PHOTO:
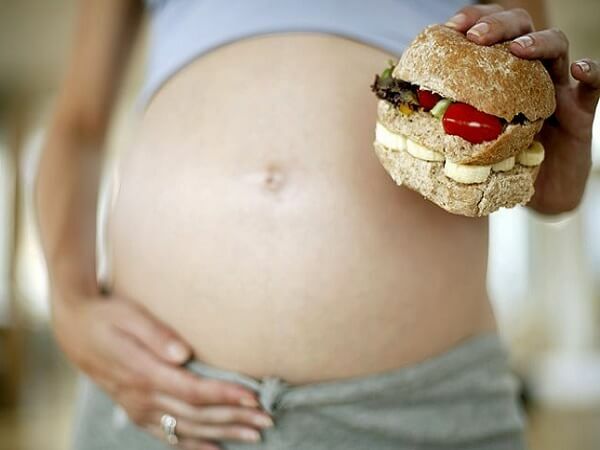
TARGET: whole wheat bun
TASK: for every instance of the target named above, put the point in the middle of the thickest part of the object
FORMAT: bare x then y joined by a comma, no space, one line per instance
490,78
501,189
428,131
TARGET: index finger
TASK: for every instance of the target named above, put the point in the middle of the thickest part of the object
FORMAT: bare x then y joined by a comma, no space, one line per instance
154,374
551,45
198,390
466,17
500,26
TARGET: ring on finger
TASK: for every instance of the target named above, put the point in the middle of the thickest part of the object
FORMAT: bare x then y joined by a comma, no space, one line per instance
168,423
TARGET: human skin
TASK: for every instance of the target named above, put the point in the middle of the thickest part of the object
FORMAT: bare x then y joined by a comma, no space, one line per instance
294,259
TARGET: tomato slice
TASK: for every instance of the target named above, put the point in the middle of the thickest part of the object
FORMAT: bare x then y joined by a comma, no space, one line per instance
471,124
427,99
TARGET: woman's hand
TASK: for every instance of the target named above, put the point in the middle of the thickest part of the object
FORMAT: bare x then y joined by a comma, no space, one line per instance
137,361
567,135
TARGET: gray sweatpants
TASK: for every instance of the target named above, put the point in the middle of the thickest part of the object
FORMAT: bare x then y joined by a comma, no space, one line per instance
462,399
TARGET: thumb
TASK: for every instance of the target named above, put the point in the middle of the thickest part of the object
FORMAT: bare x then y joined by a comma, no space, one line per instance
154,335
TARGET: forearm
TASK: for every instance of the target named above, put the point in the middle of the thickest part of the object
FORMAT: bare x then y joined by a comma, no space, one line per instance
66,197
68,179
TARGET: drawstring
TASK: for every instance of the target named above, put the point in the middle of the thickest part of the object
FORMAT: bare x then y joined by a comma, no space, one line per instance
269,393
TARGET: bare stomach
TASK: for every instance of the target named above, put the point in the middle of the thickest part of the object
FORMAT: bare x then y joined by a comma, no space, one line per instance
254,219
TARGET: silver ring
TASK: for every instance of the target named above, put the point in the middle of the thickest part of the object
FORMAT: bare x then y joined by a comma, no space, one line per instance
168,424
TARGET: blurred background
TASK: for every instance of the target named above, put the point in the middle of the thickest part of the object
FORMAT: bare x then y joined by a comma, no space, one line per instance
544,277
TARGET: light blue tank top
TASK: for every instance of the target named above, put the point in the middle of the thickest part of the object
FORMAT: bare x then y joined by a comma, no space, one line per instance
182,30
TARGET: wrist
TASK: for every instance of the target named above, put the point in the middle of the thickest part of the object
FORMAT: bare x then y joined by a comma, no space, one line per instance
73,276
70,291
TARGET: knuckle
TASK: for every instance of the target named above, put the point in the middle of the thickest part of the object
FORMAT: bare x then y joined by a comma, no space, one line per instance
471,11
122,385
537,37
236,415
227,415
143,402
522,13
128,401
131,380
156,333
196,399
493,20
492,8
136,417
138,381
182,385
194,396
210,392
241,415
482,10
560,34
84,364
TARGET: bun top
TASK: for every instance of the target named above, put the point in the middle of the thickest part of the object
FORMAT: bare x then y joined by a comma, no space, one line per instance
490,78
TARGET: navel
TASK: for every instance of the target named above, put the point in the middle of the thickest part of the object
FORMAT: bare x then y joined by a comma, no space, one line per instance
270,179
273,179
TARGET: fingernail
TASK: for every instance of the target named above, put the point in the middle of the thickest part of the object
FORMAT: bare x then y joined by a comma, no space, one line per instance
584,66
524,41
479,30
177,352
249,402
250,435
456,21
263,421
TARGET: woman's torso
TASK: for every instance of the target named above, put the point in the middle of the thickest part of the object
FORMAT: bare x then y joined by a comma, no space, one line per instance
254,219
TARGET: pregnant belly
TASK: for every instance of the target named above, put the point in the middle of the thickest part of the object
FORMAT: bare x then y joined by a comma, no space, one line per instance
254,219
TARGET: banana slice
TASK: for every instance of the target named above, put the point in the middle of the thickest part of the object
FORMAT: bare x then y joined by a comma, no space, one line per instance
533,156
388,139
466,174
504,165
420,152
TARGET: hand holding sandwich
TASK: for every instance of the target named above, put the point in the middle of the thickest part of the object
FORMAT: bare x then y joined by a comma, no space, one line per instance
566,136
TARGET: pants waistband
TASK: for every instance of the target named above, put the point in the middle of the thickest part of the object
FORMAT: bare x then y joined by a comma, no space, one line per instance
482,353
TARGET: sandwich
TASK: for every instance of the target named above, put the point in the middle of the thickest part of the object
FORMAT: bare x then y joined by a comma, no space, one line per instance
457,122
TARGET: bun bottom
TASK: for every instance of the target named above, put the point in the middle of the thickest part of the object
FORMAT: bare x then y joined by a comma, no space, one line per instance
500,190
